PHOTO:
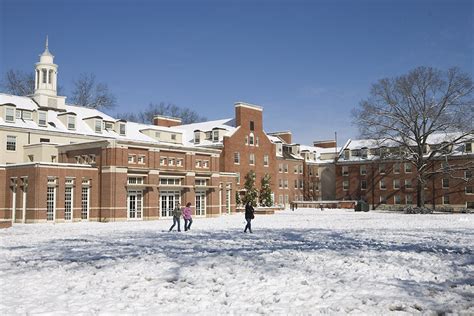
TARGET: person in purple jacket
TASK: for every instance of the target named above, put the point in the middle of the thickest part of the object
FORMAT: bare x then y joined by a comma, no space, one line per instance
188,220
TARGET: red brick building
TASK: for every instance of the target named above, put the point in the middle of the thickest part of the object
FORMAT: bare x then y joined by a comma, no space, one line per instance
387,181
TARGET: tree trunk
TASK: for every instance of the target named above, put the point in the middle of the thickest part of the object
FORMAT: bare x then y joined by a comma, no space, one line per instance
420,193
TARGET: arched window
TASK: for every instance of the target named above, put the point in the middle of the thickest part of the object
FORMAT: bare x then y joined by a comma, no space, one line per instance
251,139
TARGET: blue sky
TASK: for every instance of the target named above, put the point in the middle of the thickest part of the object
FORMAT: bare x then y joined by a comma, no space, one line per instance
308,63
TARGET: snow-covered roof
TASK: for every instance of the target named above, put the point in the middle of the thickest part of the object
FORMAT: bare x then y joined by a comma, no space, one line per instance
227,125
81,127
24,103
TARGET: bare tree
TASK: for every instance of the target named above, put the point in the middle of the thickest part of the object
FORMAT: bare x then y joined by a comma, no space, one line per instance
186,115
88,93
17,82
409,109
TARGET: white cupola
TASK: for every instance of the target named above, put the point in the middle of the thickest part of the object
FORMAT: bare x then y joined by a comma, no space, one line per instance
46,89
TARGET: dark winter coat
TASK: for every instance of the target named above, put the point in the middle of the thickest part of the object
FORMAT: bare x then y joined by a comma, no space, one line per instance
249,212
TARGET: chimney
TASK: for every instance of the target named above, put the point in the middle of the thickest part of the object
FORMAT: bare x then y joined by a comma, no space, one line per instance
325,143
246,112
166,121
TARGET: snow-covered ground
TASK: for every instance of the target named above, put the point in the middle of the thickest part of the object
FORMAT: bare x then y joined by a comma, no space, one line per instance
302,262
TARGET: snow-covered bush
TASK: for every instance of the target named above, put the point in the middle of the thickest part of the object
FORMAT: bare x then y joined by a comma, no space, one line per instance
417,210
445,209
466,210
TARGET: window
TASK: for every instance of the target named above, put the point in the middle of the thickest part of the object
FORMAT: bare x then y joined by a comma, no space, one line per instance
170,181
42,118
396,184
408,184
295,169
10,114
236,158
345,185
382,168
252,159
285,168
18,114
301,184
265,160
131,158
383,199
252,126
205,164
71,122
246,140
280,183
296,184
50,202
135,180
251,139
157,135
407,167
409,199
197,137
98,126
347,154
382,184
445,183
200,182
122,129
141,159
85,200
26,115
363,170
396,167
280,167
11,143
44,140
301,169
363,184
468,147
238,177
68,200
286,183
171,161
469,189
345,170
163,161
198,164
446,199
397,199
364,152
215,136
173,136
179,162
468,174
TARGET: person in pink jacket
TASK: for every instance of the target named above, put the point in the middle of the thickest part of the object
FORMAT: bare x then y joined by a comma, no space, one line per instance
188,220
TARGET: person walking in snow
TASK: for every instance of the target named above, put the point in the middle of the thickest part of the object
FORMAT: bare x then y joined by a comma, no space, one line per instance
177,212
249,215
188,220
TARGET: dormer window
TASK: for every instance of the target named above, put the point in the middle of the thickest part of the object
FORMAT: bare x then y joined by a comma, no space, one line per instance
215,136
364,152
71,122
122,129
98,126
197,137
347,154
42,118
10,114
468,147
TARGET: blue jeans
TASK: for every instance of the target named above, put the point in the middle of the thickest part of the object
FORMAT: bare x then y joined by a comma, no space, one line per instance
249,225
176,220
187,224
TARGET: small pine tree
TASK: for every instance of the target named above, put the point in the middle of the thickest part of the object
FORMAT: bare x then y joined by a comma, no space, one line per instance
237,198
265,197
251,191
